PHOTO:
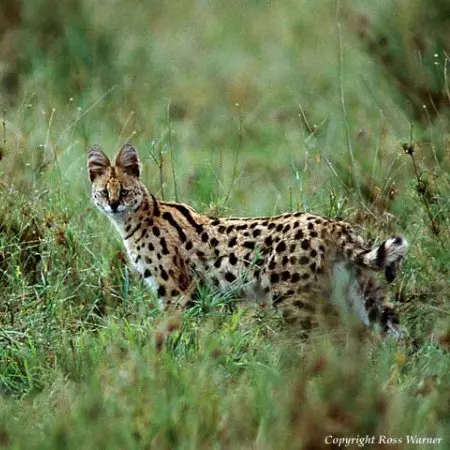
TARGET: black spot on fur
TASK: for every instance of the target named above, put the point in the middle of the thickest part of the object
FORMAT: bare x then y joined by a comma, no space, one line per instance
274,278
189,245
286,275
161,291
281,247
232,242
233,259
305,244
218,262
156,231
143,235
230,277
164,275
299,235
204,237
256,233
190,303
372,314
214,242
381,255
390,272
249,244
136,228
183,281
303,260
164,248
295,278
305,306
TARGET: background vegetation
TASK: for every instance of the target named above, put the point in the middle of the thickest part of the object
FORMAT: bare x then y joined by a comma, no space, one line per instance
244,108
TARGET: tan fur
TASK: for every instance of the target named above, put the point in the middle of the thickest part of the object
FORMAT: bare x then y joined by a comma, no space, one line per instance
288,260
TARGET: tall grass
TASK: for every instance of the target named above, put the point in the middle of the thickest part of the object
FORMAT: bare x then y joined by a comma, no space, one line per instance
236,108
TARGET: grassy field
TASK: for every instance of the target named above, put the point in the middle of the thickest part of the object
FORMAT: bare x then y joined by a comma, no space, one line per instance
243,108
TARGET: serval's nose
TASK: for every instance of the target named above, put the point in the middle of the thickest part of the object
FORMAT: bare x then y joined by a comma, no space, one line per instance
114,205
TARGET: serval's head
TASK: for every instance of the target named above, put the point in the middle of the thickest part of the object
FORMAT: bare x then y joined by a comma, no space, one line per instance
116,188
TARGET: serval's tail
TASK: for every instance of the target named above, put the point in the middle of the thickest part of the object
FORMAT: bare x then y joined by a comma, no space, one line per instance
387,256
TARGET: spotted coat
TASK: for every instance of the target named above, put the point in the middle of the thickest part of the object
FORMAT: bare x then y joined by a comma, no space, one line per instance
290,261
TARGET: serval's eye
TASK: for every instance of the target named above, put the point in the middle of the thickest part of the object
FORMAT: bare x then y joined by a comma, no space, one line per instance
104,193
124,192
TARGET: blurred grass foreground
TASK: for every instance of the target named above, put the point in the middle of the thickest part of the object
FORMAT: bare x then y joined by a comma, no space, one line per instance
243,108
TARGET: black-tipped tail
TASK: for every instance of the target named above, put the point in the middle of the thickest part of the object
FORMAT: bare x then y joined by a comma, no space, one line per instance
387,256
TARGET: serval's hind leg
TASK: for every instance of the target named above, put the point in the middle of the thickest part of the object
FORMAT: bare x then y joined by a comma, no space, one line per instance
356,291
373,300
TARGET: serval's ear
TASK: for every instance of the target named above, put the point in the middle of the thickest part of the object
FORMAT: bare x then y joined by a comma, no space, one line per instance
127,160
98,162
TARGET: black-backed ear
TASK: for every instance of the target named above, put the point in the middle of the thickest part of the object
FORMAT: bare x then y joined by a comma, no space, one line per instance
98,162
128,161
